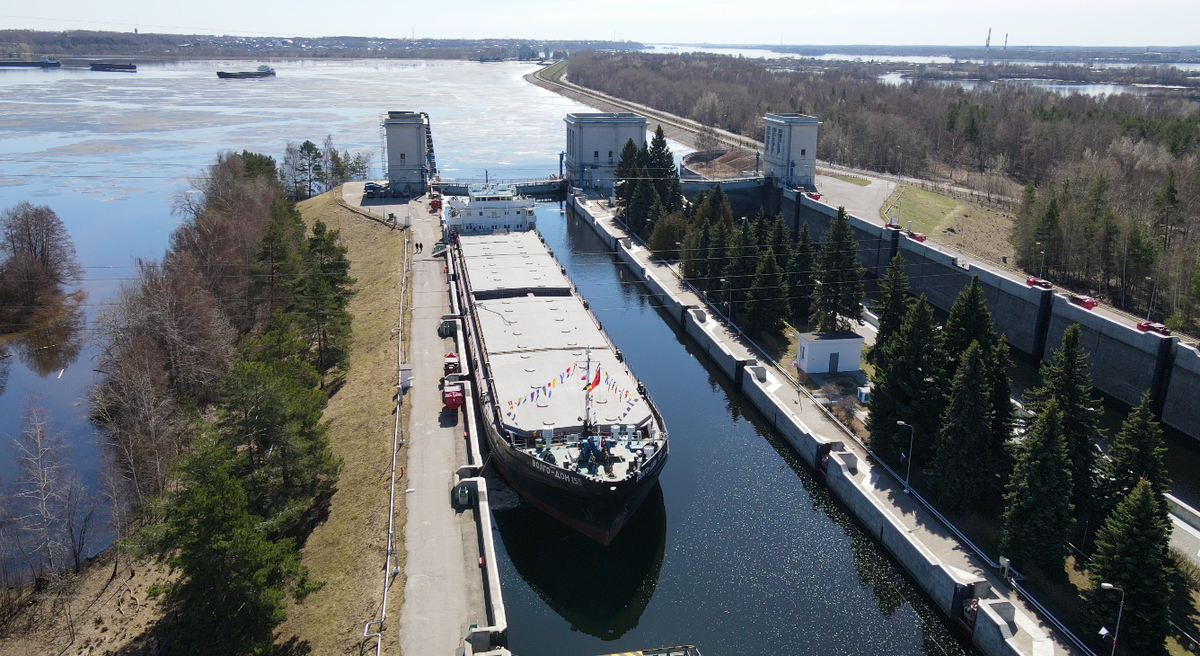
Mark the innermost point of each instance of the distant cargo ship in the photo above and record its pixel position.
(109, 67)
(44, 62)
(262, 71)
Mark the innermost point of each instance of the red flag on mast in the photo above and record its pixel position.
(595, 381)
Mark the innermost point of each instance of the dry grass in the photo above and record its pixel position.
(347, 550)
(981, 230)
(92, 613)
(845, 177)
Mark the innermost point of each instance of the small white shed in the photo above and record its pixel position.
(828, 353)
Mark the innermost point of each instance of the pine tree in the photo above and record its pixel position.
(693, 252)
(800, 276)
(669, 233)
(910, 389)
(766, 304)
(625, 173)
(321, 296)
(964, 451)
(663, 171)
(837, 295)
(270, 415)
(1136, 453)
(762, 228)
(718, 250)
(969, 321)
(893, 306)
(1037, 515)
(1132, 554)
(781, 240)
(637, 215)
(277, 256)
(1066, 381)
(656, 211)
(743, 263)
(233, 582)
(1003, 412)
(718, 204)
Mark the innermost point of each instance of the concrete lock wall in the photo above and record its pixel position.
(1123, 360)
(1015, 309)
(696, 327)
(1181, 409)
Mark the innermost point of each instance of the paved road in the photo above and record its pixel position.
(443, 592)
(861, 201)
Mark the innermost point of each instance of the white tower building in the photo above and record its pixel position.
(790, 149)
(410, 161)
(594, 143)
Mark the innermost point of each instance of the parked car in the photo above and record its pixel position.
(1038, 282)
(1153, 327)
(916, 236)
(1085, 302)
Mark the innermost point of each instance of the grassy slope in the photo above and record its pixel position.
(980, 230)
(347, 550)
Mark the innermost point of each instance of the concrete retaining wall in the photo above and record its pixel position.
(1181, 409)
(696, 326)
(1123, 360)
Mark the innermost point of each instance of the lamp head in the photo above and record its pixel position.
(1107, 586)
(901, 423)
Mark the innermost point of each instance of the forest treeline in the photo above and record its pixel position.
(1113, 186)
(215, 364)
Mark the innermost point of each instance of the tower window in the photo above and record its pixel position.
(802, 152)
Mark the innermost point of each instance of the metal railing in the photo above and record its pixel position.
(397, 442)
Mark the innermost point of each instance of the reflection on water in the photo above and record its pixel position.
(601, 591)
(51, 345)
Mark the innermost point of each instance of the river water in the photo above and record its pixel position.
(739, 551)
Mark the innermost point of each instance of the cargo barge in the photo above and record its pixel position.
(261, 71)
(111, 67)
(569, 426)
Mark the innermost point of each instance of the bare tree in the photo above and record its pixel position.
(41, 492)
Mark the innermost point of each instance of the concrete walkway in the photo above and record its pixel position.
(443, 591)
(863, 201)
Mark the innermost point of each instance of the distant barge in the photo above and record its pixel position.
(108, 67)
(44, 62)
(262, 71)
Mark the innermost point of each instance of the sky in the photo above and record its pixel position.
(753, 22)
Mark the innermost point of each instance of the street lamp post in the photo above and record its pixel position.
(912, 436)
(1120, 610)
(1042, 270)
(1153, 291)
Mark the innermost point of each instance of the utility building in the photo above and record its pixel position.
(594, 143)
(790, 149)
(410, 161)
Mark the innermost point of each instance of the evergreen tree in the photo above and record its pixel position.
(837, 295)
(800, 275)
(233, 580)
(656, 211)
(781, 241)
(637, 215)
(743, 263)
(669, 232)
(703, 255)
(766, 304)
(718, 204)
(893, 306)
(693, 208)
(1066, 381)
(259, 166)
(718, 250)
(1132, 554)
(1037, 514)
(1003, 413)
(909, 390)
(277, 256)
(625, 173)
(662, 169)
(272, 420)
(964, 452)
(322, 294)
(969, 321)
(693, 252)
(762, 228)
(1136, 453)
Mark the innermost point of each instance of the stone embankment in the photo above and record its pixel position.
(951, 570)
